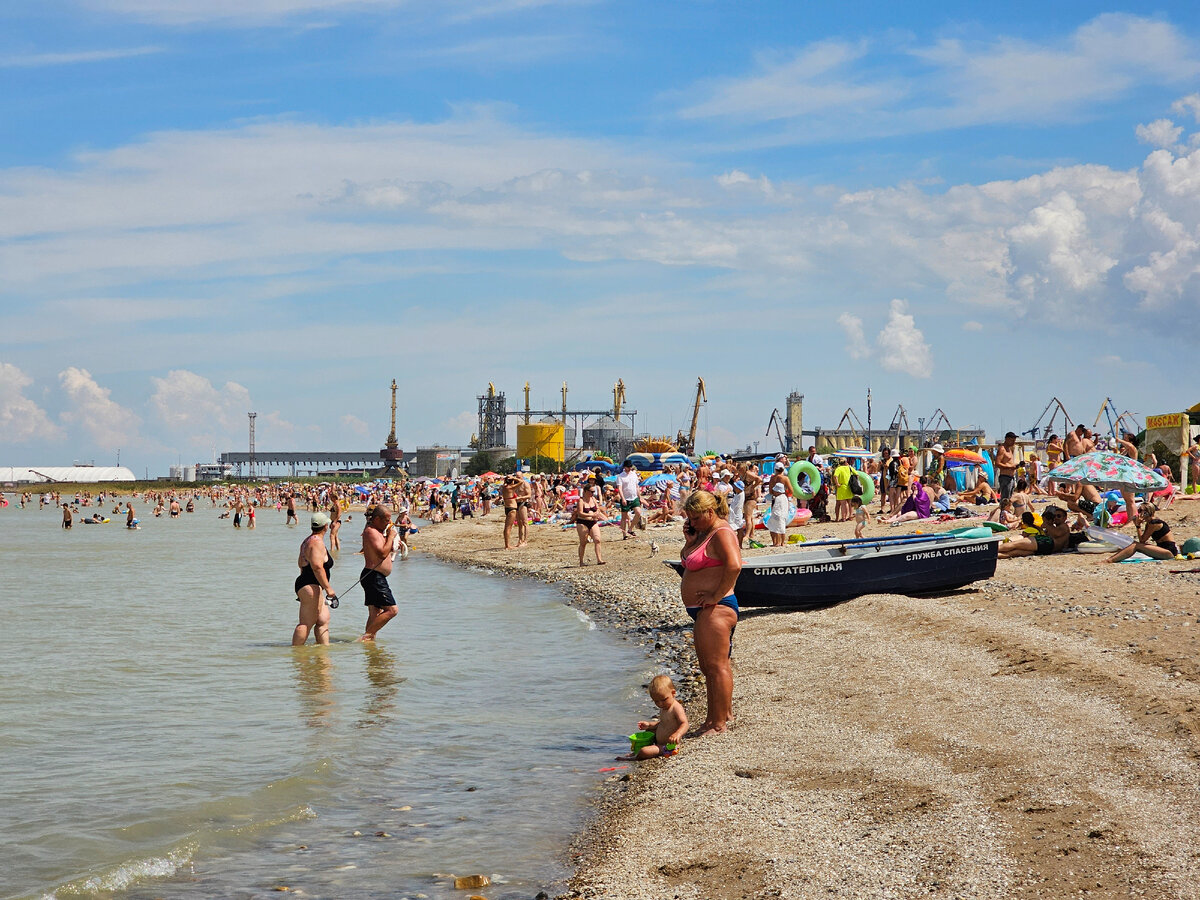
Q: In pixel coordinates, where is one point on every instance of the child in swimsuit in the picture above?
(669, 727)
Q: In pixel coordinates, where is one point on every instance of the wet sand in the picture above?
(1037, 735)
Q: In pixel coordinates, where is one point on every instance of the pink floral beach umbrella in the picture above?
(1108, 471)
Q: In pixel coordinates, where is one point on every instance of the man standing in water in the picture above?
(377, 557)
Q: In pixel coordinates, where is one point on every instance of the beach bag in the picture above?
(856, 485)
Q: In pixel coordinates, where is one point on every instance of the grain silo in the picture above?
(608, 436)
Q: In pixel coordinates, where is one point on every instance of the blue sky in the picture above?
(213, 206)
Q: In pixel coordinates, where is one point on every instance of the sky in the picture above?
(211, 207)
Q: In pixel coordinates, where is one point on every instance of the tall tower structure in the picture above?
(252, 416)
(391, 454)
(795, 422)
(493, 419)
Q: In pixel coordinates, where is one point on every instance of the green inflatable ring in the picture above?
(814, 479)
(868, 484)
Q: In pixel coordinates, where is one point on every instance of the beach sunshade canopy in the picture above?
(1108, 471)
(853, 453)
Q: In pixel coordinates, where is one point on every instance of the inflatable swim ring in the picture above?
(814, 479)
(1095, 547)
(868, 484)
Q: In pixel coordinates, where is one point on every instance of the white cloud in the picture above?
(899, 347)
(972, 325)
(856, 343)
(36, 60)
(1057, 246)
(1189, 104)
(92, 407)
(354, 425)
(20, 418)
(1160, 133)
(837, 91)
(902, 346)
(196, 412)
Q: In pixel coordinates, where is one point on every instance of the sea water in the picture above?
(159, 736)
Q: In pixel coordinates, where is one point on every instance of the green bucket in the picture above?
(640, 739)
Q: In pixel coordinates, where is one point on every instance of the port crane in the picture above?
(687, 443)
(1057, 406)
(774, 420)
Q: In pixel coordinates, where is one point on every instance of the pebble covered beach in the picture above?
(1035, 735)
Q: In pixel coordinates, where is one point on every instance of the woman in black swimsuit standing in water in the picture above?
(315, 564)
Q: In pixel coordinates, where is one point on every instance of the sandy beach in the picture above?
(1036, 735)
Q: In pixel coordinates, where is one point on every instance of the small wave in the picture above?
(584, 618)
(126, 874)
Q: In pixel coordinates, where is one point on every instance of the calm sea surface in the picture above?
(160, 738)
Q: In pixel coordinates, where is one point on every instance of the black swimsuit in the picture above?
(1161, 532)
(307, 576)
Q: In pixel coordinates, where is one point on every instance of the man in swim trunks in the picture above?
(630, 492)
(1006, 465)
(377, 559)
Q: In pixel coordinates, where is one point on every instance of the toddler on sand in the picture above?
(670, 725)
(860, 515)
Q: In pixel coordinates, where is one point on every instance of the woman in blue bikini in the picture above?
(711, 563)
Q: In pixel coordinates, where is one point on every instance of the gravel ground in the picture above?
(1037, 735)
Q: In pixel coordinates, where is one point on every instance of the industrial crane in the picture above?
(1123, 421)
(774, 420)
(687, 443)
(1058, 408)
(618, 399)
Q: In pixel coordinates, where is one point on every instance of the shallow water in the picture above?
(160, 737)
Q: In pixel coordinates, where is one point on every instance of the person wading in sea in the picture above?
(377, 558)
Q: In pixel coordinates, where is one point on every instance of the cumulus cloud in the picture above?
(195, 411)
(901, 345)
(1160, 133)
(856, 342)
(20, 418)
(92, 407)
(1188, 105)
(972, 325)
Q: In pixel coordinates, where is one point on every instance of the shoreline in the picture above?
(1036, 735)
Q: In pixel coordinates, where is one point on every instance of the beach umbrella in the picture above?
(656, 480)
(853, 453)
(1108, 471)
